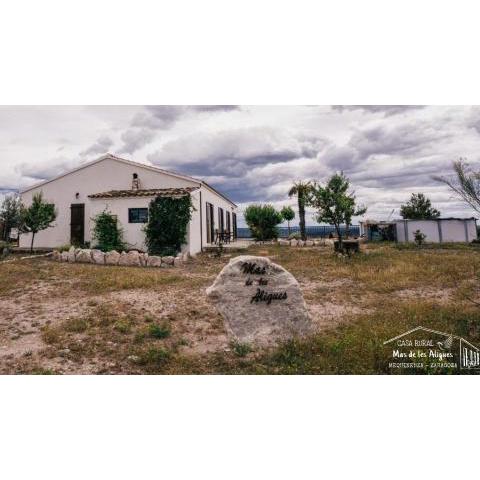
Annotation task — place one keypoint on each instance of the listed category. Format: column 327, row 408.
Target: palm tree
column 302, row 190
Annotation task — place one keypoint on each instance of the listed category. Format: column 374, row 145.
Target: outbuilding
column 439, row 230
column 125, row 189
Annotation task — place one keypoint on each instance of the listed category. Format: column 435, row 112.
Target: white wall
column 453, row 230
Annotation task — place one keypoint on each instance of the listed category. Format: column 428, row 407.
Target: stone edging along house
column 125, row 189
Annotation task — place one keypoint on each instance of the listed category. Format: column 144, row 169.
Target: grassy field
column 63, row 318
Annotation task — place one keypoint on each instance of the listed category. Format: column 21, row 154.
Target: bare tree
column 465, row 183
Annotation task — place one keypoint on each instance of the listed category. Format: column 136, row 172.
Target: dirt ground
column 87, row 319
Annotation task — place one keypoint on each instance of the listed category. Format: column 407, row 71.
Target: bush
column 419, row 237
column 167, row 225
column 295, row 236
column 262, row 221
column 107, row 233
column 159, row 331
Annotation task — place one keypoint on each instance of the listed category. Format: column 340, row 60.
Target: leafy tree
column 168, row 219
column 419, row 207
column 334, row 204
column 38, row 216
column 10, row 215
column 465, row 183
column 419, row 237
column 262, row 221
column 288, row 214
column 303, row 191
column 107, row 233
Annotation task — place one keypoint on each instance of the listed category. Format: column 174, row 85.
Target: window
column 137, row 215
column 221, row 225
column 234, row 219
column 210, row 224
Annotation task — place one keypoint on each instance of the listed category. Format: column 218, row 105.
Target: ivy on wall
column 168, row 220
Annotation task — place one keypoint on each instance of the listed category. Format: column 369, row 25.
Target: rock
column 123, row 259
column 64, row 352
column 309, row 243
column 84, row 256
column 143, row 259
column 301, row 243
column 177, row 261
column 98, row 257
column 294, row 243
column 112, row 257
column 329, row 242
column 56, row 256
column 260, row 301
column 168, row 260
column 284, row 243
column 154, row 261
column 318, row 243
column 133, row 358
column 64, row 256
column 185, row 256
column 133, row 259
column 71, row 255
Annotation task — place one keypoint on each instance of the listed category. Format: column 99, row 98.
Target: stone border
column 133, row 258
column 304, row 243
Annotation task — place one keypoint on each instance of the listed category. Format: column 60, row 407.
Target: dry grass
column 136, row 320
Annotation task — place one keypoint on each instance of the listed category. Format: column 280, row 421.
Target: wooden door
column 77, row 224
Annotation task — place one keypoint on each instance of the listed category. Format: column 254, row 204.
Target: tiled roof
column 152, row 192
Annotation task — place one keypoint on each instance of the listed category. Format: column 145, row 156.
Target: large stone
column 260, row 301
column 177, row 261
column 309, row 243
column 98, row 257
column 301, row 243
column 112, row 257
column 84, row 256
column 56, row 256
column 294, row 243
column 284, row 243
column 143, row 259
column 71, row 255
column 123, row 259
column 168, row 260
column 64, row 256
column 154, row 261
column 133, row 259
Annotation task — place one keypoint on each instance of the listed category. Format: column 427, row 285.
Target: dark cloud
column 49, row 168
column 385, row 110
column 162, row 117
column 135, row 138
column 214, row 108
column 102, row 145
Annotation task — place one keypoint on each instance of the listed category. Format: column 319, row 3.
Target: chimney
column 135, row 182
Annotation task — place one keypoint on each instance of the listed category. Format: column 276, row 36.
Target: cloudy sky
column 253, row 153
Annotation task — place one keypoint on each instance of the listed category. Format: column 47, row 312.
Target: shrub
column 167, row 225
column 107, row 233
column 241, row 349
column 262, row 221
column 419, row 237
column 159, row 331
column 154, row 357
column 295, row 236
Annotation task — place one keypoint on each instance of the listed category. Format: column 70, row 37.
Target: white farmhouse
column 125, row 189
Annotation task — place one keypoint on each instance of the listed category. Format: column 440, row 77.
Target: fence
column 316, row 231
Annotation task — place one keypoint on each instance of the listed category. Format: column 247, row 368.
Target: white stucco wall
column 111, row 174
column 453, row 230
